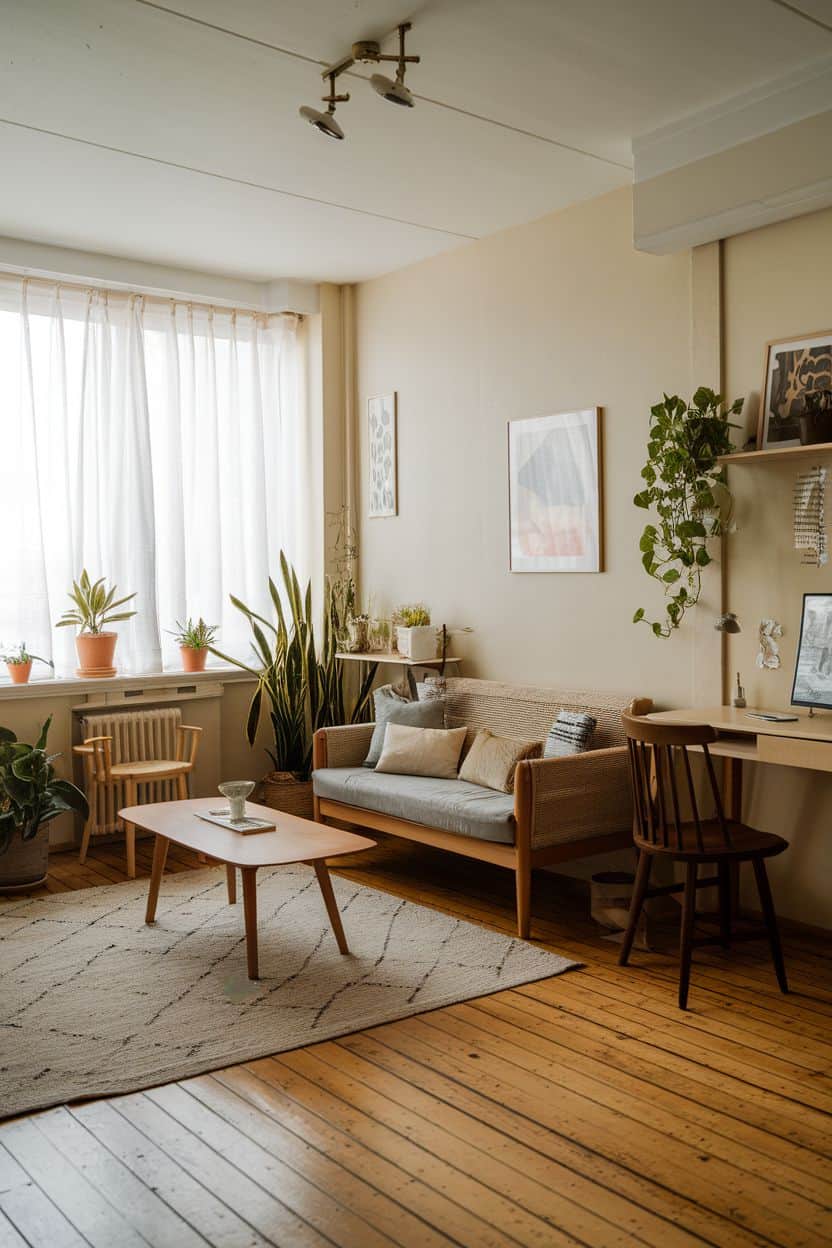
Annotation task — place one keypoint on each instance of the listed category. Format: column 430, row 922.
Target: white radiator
column 137, row 736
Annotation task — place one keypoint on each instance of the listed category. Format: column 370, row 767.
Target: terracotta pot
column 25, row 863
column 282, row 791
column 95, row 654
column 20, row 672
column 194, row 659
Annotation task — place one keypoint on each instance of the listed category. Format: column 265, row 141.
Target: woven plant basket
column 282, row 791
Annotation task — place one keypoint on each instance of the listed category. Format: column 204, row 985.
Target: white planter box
column 417, row 643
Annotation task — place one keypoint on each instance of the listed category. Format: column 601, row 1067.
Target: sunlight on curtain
column 161, row 445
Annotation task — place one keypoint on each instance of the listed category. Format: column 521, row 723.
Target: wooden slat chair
column 101, row 774
column 663, row 794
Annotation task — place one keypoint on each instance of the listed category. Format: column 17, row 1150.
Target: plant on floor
column 303, row 686
column 95, row 606
column 686, row 486
column 30, row 795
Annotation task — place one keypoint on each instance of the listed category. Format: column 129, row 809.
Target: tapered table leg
column 231, row 883
column 322, row 872
column 250, row 913
column 160, row 853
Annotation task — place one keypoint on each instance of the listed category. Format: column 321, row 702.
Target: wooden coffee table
column 294, row 840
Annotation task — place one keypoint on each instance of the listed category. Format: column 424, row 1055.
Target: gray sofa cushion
column 391, row 709
column 453, row 805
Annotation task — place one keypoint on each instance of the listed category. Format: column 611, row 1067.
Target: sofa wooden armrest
column 344, row 746
column 573, row 798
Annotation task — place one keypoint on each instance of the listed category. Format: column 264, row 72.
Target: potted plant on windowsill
column 95, row 608
column 415, row 637
column 195, row 641
column 19, row 662
column 30, row 795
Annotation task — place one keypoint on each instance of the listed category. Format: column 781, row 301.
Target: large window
column 162, row 445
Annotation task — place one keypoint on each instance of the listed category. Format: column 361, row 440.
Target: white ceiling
column 143, row 130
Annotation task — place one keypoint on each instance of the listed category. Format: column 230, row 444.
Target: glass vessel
column 236, row 791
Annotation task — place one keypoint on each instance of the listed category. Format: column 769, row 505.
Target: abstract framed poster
column 793, row 367
column 381, row 426
column 813, row 668
column 555, row 486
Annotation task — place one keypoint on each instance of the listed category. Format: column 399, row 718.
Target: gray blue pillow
column 570, row 734
column 393, row 709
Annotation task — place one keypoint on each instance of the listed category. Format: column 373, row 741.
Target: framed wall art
column 381, row 429
column 555, row 486
column 793, row 367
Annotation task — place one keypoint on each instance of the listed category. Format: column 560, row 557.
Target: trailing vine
column 686, row 487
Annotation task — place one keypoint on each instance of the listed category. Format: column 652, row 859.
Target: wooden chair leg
column 645, row 863
column 182, row 787
column 231, row 883
column 686, row 934
column 770, row 917
column 92, row 798
column 131, row 798
column 725, row 894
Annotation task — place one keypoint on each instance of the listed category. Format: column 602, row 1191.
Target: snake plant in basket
column 30, row 795
column 301, row 684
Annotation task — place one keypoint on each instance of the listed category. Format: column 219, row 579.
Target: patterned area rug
column 94, row 1002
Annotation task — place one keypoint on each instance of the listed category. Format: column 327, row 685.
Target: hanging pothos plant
column 686, row 487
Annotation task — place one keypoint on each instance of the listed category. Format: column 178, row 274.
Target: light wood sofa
column 563, row 808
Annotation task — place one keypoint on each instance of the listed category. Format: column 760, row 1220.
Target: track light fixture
column 365, row 52
column 325, row 122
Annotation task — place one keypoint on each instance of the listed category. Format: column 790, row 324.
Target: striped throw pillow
column 569, row 734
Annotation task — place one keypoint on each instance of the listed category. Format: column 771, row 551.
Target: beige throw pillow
column 491, row 760
column 421, row 751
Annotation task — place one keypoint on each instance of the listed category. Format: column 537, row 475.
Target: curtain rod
column 90, row 288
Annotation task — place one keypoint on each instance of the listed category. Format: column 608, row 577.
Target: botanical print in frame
column 813, row 668
column 792, row 367
column 381, row 425
column 554, row 470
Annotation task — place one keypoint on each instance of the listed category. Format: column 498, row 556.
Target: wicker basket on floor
column 282, row 791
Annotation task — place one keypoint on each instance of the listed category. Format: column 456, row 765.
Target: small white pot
column 417, row 643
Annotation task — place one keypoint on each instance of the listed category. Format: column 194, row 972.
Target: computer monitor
column 813, row 667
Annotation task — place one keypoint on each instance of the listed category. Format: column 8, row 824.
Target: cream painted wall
column 558, row 314
column 776, row 284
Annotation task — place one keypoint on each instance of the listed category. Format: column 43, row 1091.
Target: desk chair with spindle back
column 102, row 774
column 661, row 797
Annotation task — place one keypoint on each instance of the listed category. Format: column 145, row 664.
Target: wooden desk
column 803, row 742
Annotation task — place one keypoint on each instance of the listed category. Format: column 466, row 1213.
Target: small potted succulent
column 95, row 607
column 195, row 641
column 415, row 636
column 19, row 662
column 30, row 795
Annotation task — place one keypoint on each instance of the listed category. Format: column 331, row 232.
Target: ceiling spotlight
column 364, row 52
column 392, row 89
column 325, row 122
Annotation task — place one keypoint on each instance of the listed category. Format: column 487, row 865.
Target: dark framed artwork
column 813, row 666
column 793, row 367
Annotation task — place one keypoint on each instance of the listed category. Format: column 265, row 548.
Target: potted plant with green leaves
column 95, row 606
column 686, row 487
column 301, row 683
column 415, row 637
column 30, row 795
column 195, row 641
column 19, row 662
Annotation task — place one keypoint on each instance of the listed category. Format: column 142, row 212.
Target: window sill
column 148, row 683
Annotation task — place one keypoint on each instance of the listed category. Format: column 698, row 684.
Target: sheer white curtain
column 159, row 444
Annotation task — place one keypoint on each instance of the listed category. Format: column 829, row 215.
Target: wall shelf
column 743, row 458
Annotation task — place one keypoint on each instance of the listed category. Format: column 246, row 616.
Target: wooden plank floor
column 580, row 1110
